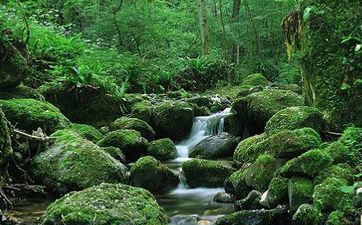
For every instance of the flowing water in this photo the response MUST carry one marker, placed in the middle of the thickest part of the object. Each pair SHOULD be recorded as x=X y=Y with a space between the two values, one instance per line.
x=183 y=201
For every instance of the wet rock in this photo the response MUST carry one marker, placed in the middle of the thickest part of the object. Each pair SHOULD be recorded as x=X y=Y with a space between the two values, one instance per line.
x=134 y=124
x=173 y=119
x=132 y=144
x=162 y=149
x=234 y=126
x=223 y=197
x=257 y=108
x=107 y=204
x=206 y=173
x=300 y=191
x=73 y=163
x=30 y=114
x=277 y=216
x=150 y=174
x=250 y=202
x=213 y=147
x=307 y=215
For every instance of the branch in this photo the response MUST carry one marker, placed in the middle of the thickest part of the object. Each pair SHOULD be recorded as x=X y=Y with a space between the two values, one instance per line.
x=37 y=138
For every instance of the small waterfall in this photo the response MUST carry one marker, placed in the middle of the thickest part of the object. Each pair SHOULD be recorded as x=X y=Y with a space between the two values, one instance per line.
x=202 y=127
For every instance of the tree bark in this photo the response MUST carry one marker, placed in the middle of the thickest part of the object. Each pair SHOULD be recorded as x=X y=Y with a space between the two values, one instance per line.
x=204 y=28
x=234 y=19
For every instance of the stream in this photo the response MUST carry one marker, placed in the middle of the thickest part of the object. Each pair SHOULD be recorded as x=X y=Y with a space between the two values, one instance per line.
x=184 y=205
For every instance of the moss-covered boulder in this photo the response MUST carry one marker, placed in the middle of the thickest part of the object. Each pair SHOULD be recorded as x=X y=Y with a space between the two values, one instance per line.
x=150 y=174
x=256 y=79
x=5 y=145
x=234 y=126
x=293 y=118
x=277 y=192
x=143 y=110
x=206 y=173
x=340 y=171
x=277 y=216
x=352 y=140
x=340 y=153
x=134 y=124
x=201 y=101
x=106 y=204
x=87 y=131
x=132 y=144
x=328 y=196
x=74 y=163
x=308 y=164
x=116 y=153
x=307 y=215
x=284 y=144
x=30 y=114
x=214 y=147
x=246 y=90
x=14 y=66
x=257 y=108
x=21 y=91
x=300 y=191
x=250 y=202
x=331 y=66
x=173 y=119
x=236 y=185
x=162 y=149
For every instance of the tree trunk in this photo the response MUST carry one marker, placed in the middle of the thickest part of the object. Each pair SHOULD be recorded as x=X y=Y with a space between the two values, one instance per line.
x=204 y=28
x=234 y=19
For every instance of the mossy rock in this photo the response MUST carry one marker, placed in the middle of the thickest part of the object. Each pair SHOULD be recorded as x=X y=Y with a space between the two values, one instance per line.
x=134 y=124
x=14 y=67
x=30 y=114
x=250 y=202
x=116 y=153
x=277 y=193
x=21 y=91
x=256 y=79
x=300 y=191
x=201 y=101
x=308 y=164
x=293 y=118
x=206 y=173
x=284 y=144
x=257 y=108
x=343 y=154
x=328 y=196
x=200 y=110
x=162 y=149
x=74 y=163
x=105 y=204
x=307 y=215
x=150 y=174
x=132 y=144
x=246 y=90
x=352 y=139
x=234 y=126
x=214 y=147
x=173 y=120
x=236 y=185
x=6 y=150
x=87 y=131
x=340 y=171
x=143 y=110
x=341 y=218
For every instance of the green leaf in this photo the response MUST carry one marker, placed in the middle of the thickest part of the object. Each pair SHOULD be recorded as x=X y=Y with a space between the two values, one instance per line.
x=348 y=189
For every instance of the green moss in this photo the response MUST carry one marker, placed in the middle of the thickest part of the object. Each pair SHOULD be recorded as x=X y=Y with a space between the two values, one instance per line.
x=162 y=149
x=293 y=118
x=116 y=153
x=74 y=163
x=87 y=131
x=342 y=154
x=21 y=91
x=173 y=119
x=277 y=192
x=150 y=174
x=206 y=173
x=340 y=171
x=132 y=144
x=143 y=110
x=300 y=191
x=340 y=218
x=244 y=151
x=236 y=184
x=307 y=215
x=30 y=114
x=246 y=90
x=352 y=139
x=328 y=195
x=255 y=80
x=308 y=164
x=6 y=150
x=257 y=108
x=134 y=124
x=107 y=204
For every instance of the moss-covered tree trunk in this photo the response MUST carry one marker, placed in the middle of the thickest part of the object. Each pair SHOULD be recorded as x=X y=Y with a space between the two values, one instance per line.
x=332 y=59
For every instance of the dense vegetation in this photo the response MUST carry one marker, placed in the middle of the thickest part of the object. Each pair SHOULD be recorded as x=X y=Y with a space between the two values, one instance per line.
x=95 y=94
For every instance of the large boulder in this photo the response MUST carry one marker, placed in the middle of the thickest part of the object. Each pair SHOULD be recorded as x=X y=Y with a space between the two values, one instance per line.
x=257 y=108
x=74 y=163
x=150 y=174
x=236 y=185
x=5 y=145
x=300 y=191
x=162 y=149
x=293 y=118
x=143 y=110
x=134 y=124
x=307 y=215
x=173 y=119
x=105 y=204
x=87 y=131
x=284 y=144
x=132 y=144
x=214 y=147
x=206 y=173
x=21 y=91
x=256 y=79
x=30 y=114
x=277 y=193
